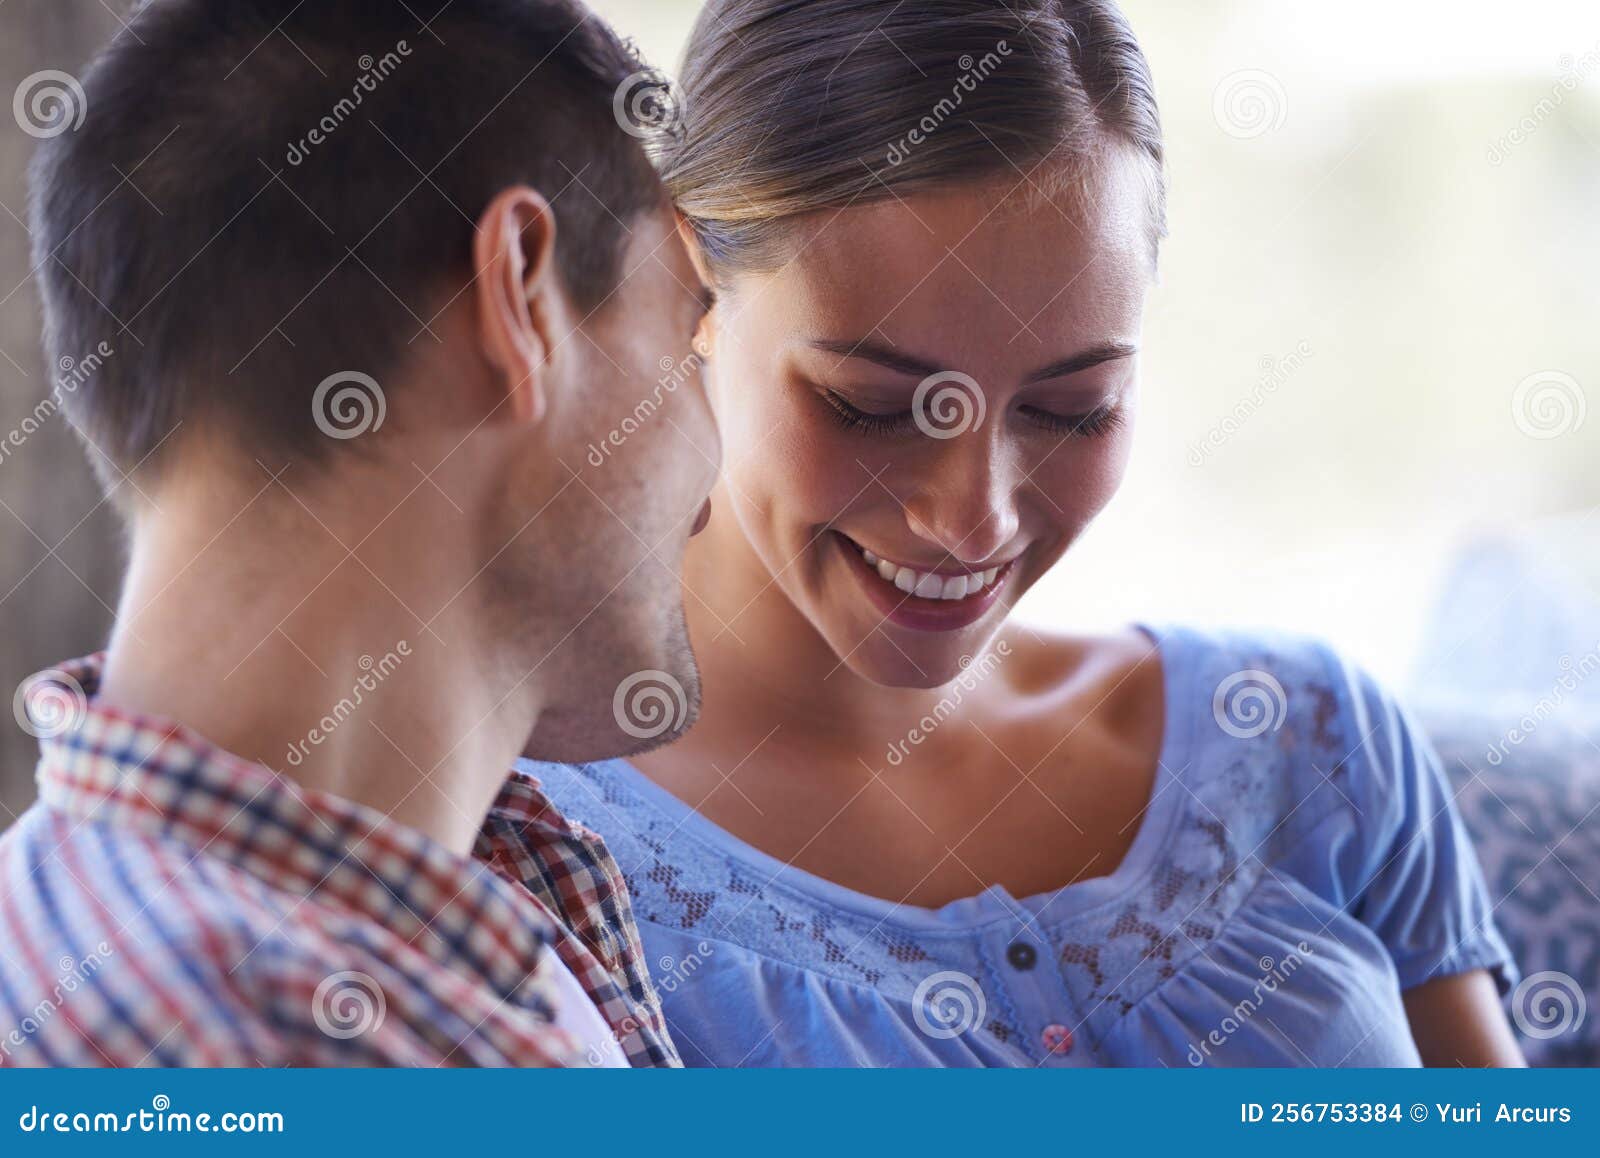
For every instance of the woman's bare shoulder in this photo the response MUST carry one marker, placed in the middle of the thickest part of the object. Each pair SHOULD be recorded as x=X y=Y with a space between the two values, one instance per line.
x=1043 y=661
x=1114 y=676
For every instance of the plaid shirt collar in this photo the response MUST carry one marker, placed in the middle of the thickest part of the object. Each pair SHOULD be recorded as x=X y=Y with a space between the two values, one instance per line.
x=161 y=778
x=538 y=882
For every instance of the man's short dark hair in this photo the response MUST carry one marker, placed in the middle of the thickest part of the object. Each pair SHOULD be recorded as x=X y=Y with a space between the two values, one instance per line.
x=266 y=193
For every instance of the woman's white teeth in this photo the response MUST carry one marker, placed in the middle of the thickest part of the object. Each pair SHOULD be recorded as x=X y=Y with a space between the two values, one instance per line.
x=927 y=586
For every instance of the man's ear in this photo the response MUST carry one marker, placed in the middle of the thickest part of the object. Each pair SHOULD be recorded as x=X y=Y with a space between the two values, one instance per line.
x=513 y=257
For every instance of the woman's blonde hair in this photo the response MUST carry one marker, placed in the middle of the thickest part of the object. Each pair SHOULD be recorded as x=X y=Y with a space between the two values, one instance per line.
x=786 y=107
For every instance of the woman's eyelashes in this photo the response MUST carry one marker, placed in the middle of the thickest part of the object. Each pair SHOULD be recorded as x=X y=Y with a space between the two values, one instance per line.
x=854 y=418
x=1102 y=420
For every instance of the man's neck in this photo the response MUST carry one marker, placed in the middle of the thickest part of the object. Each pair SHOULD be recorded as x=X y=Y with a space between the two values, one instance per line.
x=366 y=672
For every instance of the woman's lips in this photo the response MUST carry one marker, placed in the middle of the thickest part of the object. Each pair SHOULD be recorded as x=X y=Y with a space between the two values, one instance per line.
x=917 y=612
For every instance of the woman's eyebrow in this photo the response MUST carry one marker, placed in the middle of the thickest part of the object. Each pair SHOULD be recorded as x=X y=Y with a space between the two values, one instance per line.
x=871 y=351
x=1094 y=356
x=893 y=359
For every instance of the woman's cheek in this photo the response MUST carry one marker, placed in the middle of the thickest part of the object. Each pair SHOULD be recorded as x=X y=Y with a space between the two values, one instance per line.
x=822 y=468
x=1114 y=464
x=1080 y=480
x=771 y=465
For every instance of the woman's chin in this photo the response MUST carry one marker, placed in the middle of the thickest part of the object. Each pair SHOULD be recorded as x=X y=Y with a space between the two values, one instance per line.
x=911 y=663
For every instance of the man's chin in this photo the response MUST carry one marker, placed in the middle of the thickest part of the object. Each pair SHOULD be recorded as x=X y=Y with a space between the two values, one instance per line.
x=549 y=749
x=648 y=709
x=639 y=746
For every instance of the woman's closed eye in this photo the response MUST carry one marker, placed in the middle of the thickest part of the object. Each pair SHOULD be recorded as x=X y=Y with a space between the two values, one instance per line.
x=852 y=417
x=1101 y=420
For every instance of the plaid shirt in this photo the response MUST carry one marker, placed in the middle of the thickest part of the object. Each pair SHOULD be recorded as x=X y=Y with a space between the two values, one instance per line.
x=167 y=903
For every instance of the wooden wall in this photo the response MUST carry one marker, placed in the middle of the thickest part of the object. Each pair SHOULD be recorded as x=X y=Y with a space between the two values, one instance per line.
x=59 y=544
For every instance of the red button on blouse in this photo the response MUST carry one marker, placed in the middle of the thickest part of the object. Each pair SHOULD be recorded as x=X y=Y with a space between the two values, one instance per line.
x=1056 y=1039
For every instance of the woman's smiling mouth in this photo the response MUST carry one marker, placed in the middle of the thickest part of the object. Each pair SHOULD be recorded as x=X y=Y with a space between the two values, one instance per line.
x=925 y=600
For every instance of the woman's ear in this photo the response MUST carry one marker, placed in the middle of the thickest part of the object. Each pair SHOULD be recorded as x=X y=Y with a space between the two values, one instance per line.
x=697 y=257
x=513 y=256
x=691 y=242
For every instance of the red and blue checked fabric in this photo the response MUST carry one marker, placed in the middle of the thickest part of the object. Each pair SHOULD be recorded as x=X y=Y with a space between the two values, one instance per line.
x=166 y=903
x=570 y=870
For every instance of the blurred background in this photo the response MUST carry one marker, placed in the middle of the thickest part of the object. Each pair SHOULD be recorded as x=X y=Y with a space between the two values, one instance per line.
x=1369 y=370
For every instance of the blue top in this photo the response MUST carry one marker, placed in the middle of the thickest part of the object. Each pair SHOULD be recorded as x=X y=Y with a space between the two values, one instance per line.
x=1300 y=863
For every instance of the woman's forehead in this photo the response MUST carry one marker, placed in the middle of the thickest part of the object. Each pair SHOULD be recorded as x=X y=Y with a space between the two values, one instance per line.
x=936 y=271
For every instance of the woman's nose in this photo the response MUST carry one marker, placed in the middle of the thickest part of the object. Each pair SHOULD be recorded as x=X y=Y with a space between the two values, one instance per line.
x=966 y=505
